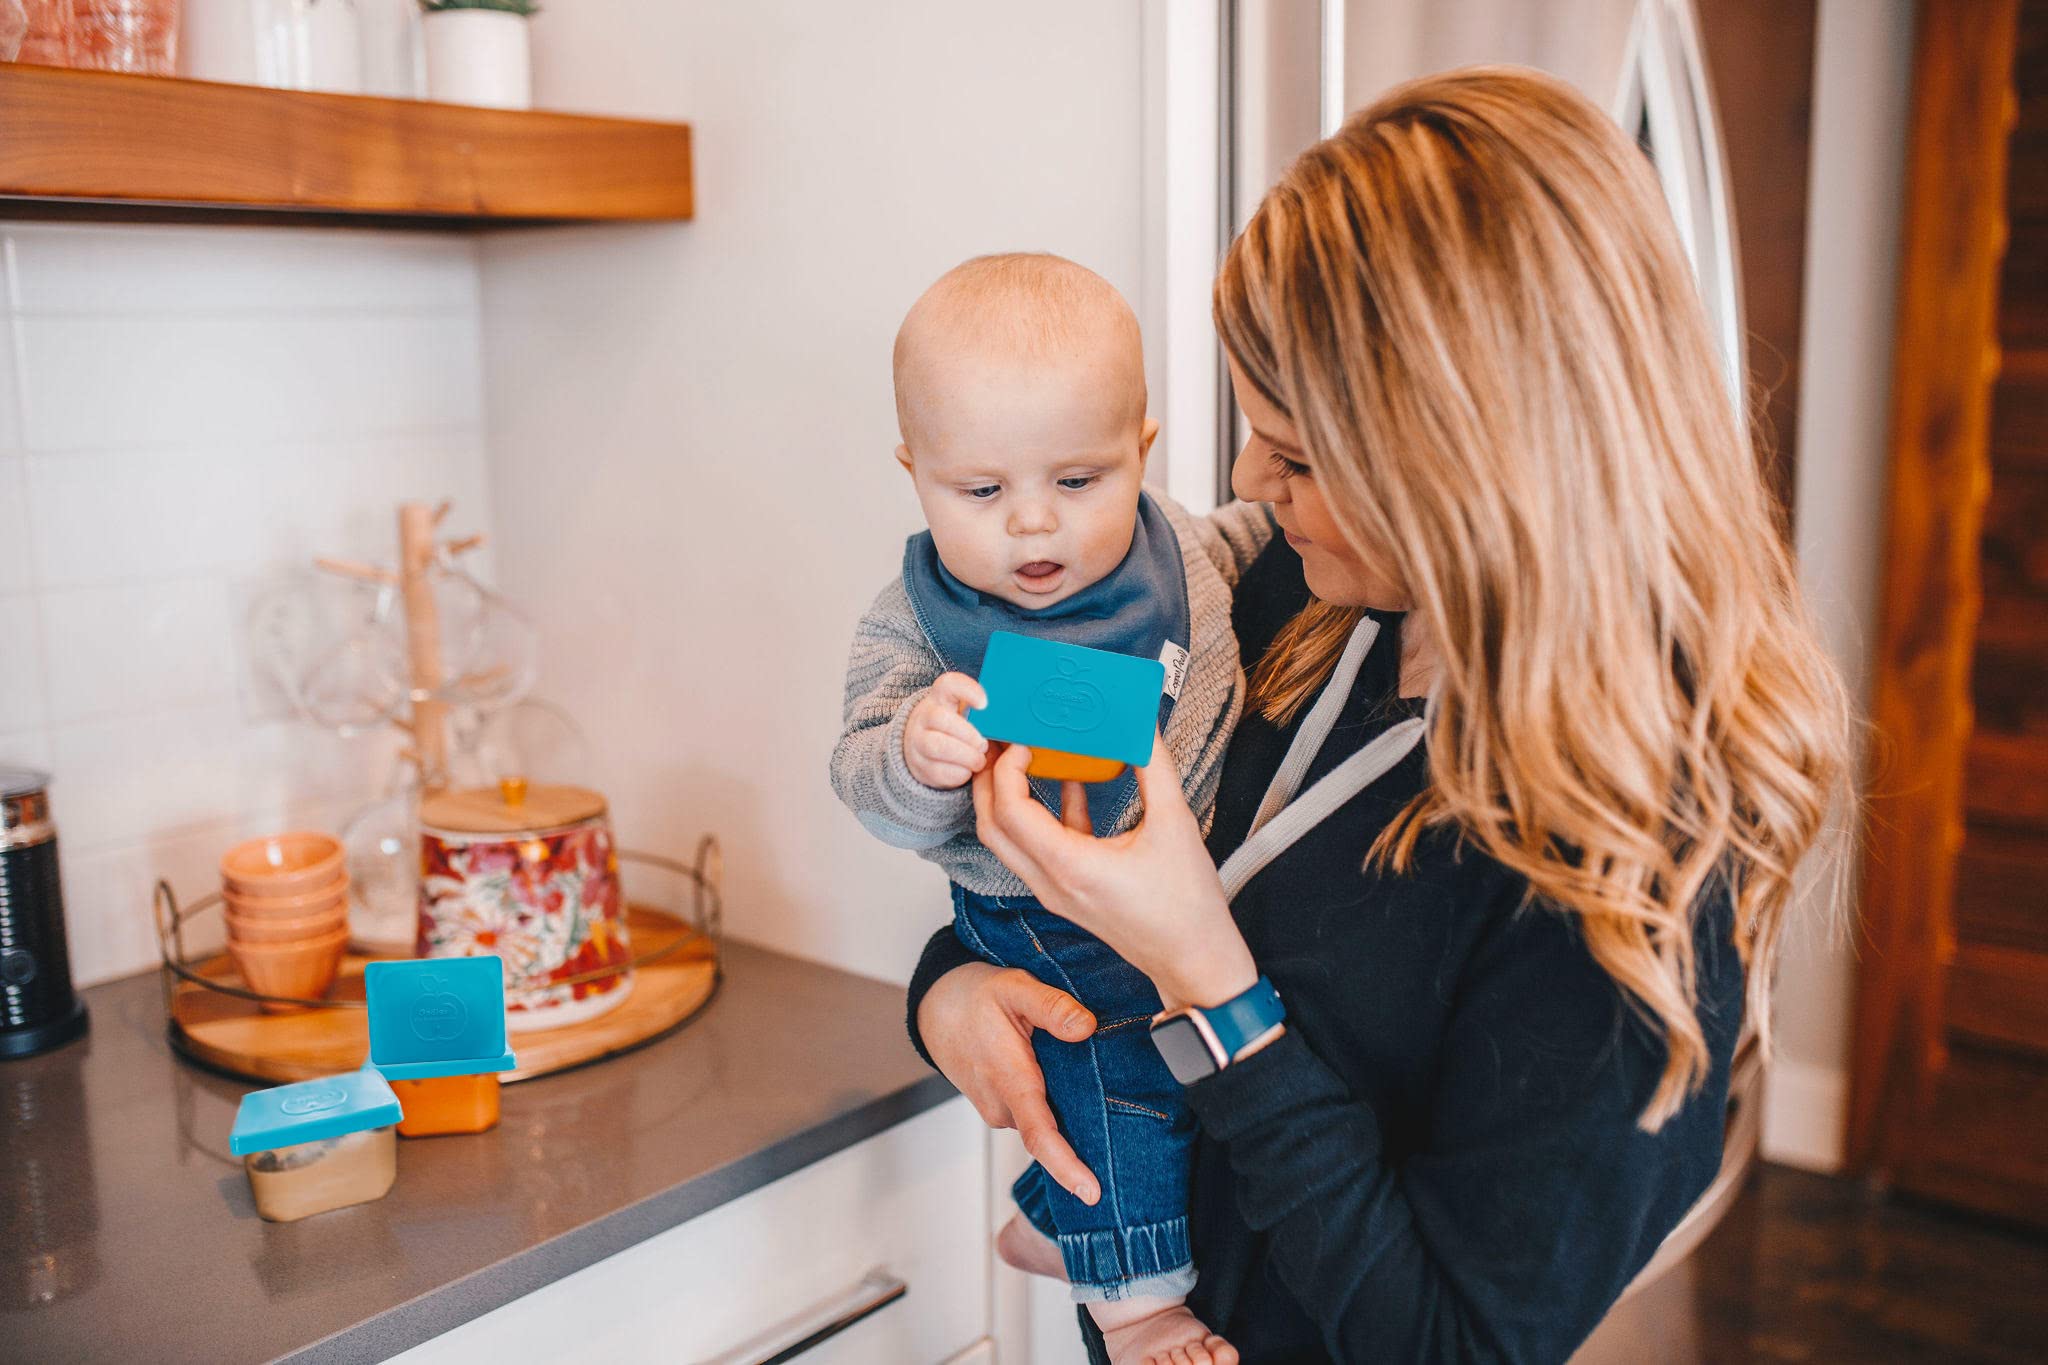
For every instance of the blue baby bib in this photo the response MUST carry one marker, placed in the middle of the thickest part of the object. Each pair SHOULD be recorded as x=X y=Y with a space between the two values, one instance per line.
x=437 y=1016
x=1046 y=694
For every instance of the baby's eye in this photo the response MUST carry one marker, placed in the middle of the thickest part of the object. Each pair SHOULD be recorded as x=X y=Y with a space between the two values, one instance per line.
x=984 y=492
x=1078 y=482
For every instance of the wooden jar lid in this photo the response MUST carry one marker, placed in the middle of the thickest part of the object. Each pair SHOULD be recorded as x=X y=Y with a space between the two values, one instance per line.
x=511 y=807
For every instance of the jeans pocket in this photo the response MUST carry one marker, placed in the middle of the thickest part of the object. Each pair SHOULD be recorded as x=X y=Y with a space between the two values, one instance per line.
x=1136 y=1111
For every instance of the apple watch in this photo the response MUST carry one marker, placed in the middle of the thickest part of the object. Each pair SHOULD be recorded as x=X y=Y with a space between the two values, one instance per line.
x=1197 y=1043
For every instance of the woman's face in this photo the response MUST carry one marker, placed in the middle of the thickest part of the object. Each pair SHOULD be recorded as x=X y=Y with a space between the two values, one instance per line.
x=1274 y=468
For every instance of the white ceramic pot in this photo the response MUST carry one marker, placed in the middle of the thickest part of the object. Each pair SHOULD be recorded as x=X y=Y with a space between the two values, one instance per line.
x=479 y=56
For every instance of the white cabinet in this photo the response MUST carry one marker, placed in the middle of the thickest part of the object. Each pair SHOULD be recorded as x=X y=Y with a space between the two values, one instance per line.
x=908 y=1205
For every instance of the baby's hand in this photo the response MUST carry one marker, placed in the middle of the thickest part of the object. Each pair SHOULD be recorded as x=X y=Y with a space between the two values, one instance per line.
x=943 y=750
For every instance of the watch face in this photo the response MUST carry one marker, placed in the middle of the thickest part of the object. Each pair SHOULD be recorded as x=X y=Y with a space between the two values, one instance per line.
x=1185 y=1051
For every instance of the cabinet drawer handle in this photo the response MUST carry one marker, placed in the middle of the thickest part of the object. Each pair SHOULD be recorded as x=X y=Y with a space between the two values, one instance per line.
x=876 y=1291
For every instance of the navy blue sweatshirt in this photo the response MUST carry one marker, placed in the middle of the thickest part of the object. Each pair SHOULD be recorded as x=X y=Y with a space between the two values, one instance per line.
x=1440 y=1160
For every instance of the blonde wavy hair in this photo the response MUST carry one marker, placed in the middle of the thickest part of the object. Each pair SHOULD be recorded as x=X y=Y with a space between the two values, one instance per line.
x=1473 y=304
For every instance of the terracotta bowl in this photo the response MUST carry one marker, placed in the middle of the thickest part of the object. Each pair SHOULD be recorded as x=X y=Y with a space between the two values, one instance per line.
x=267 y=929
x=304 y=969
x=318 y=900
x=281 y=864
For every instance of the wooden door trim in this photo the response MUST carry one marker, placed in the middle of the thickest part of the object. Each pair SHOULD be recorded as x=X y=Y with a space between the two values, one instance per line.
x=1946 y=357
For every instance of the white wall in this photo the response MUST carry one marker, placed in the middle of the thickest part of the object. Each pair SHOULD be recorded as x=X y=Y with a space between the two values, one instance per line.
x=183 y=411
x=1861 y=103
x=691 y=426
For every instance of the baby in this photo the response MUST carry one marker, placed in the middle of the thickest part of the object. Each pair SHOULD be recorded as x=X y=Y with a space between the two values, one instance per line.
x=1020 y=391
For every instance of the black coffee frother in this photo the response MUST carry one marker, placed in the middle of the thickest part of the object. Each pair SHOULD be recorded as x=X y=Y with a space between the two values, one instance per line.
x=38 y=1009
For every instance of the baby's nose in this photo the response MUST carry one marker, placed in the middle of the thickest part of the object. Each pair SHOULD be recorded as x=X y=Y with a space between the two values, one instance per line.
x=1031 y=518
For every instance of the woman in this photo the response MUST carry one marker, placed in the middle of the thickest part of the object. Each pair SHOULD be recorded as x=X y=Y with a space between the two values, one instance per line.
x=1558 y=725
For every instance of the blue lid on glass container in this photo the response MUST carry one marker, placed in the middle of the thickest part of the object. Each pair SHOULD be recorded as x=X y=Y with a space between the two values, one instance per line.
x=437 y=1016
x=307 y=1111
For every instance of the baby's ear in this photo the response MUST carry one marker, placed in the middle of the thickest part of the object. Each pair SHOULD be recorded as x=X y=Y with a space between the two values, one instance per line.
x=1146 y=436
x=903 y=458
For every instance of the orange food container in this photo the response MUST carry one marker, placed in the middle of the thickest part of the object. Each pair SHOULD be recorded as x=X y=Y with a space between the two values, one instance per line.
x=437 y=1033
x=448 y=1104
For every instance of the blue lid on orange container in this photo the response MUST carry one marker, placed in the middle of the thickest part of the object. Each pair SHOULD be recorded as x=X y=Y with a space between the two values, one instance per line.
x=1048 y=694
x=307 y=1111
x=437 y=1016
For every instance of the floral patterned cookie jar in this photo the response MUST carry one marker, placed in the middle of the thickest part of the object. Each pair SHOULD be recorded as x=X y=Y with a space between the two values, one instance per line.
x=530 y=876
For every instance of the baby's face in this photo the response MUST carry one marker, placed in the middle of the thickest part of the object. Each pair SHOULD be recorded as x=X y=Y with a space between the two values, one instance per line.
x=1029 y=476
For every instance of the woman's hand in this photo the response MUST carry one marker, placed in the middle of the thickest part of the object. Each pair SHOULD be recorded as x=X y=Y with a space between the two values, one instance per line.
x=1151 y=894
x=976 y=1022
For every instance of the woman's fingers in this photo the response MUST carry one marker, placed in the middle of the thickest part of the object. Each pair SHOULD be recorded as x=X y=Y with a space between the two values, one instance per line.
x=1041 y=1134
x=1033 y=1005
x=1074 y=807
x=1159 y=776
x=1001 y=795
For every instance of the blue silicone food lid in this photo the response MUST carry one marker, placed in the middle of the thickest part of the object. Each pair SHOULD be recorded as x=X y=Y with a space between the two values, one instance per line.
x=437 y=1016
x=1048 y=694
x=307 y=1111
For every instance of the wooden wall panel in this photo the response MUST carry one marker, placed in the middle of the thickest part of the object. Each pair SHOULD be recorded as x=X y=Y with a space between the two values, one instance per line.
x=1952 y=236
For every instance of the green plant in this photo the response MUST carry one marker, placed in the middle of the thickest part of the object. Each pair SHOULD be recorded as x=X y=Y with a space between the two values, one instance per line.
x=524 y=8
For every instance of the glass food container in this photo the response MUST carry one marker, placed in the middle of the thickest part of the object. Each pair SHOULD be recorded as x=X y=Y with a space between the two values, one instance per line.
x=318 y=1145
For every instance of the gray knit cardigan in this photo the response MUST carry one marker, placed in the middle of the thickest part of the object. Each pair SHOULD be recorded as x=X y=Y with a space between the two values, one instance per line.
x=894 y=664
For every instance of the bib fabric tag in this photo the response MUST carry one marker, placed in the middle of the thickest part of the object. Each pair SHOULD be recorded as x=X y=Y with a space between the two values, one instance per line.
x=1047 y=694
x=1176 y=661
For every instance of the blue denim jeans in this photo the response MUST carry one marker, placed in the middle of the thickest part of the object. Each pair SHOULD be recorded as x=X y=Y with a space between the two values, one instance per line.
x=1116 y=1102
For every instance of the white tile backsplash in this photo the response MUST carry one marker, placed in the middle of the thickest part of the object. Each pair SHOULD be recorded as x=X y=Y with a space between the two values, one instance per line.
x=198 y=410
x=178 y=512
x=21 y=665
x=102 y=380
x=178 y=270
x=10 y=404
x=14 y=542
x=25 y=749
x=137 y=649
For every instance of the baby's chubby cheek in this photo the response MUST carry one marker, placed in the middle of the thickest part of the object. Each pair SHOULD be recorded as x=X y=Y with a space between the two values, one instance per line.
x=982 y=562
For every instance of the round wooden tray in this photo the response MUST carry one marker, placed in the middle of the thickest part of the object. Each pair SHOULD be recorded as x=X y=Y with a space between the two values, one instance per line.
x=232 y=1033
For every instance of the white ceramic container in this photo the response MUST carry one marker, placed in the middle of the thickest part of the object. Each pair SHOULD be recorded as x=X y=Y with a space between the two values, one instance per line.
x=479 y=56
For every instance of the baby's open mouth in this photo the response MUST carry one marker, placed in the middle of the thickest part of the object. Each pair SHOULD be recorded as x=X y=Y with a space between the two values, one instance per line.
x=1040 y=575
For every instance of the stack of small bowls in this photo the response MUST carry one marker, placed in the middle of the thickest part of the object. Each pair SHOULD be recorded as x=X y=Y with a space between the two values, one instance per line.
x=287 y=913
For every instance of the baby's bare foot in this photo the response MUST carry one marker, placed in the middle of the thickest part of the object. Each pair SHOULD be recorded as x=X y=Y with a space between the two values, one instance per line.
x=1028 y=1249
x=1170 y=1335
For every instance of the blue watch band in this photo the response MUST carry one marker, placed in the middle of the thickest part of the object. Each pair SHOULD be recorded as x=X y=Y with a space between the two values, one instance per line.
x=1239 y=1020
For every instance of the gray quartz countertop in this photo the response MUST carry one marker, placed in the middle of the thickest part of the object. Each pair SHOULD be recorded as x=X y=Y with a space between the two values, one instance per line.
x=127 y=1232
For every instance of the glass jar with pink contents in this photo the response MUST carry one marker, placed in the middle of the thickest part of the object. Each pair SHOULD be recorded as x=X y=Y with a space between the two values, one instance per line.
x=125 y=35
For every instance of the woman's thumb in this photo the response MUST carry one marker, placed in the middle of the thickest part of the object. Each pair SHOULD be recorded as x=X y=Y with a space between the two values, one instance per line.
x=1159 y=775
x=1052 y=1009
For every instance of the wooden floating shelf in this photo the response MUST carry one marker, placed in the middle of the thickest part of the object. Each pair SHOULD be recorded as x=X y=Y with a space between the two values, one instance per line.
x=93 y=145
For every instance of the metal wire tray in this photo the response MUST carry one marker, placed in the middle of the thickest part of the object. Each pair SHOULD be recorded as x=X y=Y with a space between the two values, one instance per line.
x=705 y=873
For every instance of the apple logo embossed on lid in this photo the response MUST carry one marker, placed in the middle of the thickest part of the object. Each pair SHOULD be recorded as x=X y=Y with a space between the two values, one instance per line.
x=439 y=1016
x=313 y=1101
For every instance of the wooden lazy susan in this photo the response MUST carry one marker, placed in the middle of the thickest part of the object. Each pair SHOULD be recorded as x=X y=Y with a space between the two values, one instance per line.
x=675 y=974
